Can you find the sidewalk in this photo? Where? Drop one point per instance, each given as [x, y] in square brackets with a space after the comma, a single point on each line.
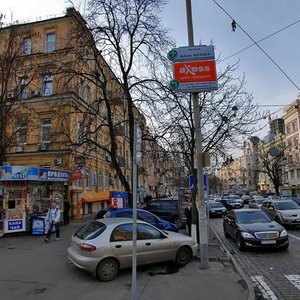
[158, 282]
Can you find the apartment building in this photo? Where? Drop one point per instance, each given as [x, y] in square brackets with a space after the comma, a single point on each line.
[64, 126]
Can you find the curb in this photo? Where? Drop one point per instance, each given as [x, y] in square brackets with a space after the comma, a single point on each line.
[249, 284]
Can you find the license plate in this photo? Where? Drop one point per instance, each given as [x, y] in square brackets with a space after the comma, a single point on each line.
[268, 242]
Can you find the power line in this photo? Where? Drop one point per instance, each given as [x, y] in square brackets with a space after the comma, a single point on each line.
[272, 60]
[272, 34]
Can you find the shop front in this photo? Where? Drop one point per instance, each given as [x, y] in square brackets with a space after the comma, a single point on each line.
[27, 192]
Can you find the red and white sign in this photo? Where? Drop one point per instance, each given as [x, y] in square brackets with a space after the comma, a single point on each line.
[195, 71]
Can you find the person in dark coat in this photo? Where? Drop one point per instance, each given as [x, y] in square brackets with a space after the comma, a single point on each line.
[188, 215]
[66, 212]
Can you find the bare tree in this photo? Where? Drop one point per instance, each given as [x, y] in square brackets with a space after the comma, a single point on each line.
[272, 163]
[15, 77]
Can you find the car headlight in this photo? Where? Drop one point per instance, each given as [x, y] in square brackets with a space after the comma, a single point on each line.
[283, 233]
[247, 235]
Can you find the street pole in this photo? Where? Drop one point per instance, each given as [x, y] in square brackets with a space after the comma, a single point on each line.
[203, 224]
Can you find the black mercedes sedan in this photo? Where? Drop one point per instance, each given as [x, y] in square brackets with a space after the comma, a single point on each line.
[254, 228]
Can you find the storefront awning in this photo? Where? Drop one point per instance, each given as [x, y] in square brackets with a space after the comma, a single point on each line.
[94, 196]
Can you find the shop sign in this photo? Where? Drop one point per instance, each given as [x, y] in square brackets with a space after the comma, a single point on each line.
[54, 175]
[19, 173]
[76, 174]
[15, 225]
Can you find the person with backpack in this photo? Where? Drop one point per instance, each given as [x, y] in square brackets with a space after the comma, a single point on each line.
[52, 219]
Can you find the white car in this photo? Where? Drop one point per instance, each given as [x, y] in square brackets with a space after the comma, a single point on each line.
[104, 246]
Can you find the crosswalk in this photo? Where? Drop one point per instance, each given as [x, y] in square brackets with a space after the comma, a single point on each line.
[266, 292]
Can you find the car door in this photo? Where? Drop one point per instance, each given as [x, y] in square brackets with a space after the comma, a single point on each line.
[147, 217]
[265, 207]
[229, 223]
[121, 245]
[272, 210]
[156, 247]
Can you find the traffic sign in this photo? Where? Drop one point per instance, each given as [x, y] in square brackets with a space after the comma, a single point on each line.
[201, 52]
[191, 182]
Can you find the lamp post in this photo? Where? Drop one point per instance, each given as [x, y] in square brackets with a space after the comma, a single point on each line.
[203, 224]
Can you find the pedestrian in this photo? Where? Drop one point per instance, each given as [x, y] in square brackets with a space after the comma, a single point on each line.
[188, 215]
[52, 219]
[66, 212]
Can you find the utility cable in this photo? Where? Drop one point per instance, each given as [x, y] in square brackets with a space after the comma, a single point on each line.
[274, 33]
[272, 60]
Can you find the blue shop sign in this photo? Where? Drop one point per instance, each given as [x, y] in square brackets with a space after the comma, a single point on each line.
[15, 225]
[32, 173]
[118, 194]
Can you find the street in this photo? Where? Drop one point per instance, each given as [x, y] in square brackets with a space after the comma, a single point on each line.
[32, 269]
[274, 273]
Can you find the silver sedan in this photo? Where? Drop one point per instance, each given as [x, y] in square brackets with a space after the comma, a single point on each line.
[104, 246]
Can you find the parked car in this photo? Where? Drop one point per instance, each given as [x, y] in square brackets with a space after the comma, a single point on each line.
[256, 202]
[167, 209]
[283, 211]
[216, 209]
[232, 203]
[142, 214]
[254, 228]
[104, 246]
[246, 199]
[296, 199]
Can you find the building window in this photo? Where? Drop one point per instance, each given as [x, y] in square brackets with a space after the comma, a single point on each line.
[47, 84]
[294, 126]
[21, 134]
[26, 50]
[46, 131]
[50, 42]
[292, 174]
[100, 179]
[288, 129]
[87, 178]
[298, 173]
[24, 91]
[296, 142]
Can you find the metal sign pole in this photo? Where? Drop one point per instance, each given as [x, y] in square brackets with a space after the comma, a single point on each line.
[203, 224]
[134, 206]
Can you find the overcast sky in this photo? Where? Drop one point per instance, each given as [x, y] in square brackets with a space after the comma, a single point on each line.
[271, 89]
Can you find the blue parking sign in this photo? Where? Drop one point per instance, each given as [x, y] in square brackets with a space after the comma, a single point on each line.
[191, 182]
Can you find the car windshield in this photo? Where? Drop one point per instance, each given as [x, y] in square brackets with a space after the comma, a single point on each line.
[285, 205]
[252, 217]
[90, 230]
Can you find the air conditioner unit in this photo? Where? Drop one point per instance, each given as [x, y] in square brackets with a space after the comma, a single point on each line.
[57, 161]
[10, 94]
[6, 164]
[18, 149]
[42, 147]
[35, 93]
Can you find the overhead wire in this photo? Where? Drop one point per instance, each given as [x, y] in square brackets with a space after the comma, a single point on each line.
[270, 35]
[256, 43]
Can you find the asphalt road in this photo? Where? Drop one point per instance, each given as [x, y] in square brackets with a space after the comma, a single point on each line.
[275, 274]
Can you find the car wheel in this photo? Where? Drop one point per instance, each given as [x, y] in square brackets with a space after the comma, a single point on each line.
[183, 256]
[107, 269]
[226, 234]
[240, 244]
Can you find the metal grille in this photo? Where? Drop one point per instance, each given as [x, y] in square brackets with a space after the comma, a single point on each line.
[266, 235]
